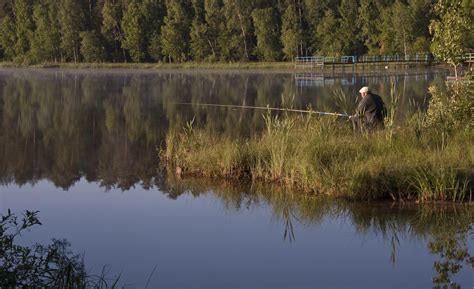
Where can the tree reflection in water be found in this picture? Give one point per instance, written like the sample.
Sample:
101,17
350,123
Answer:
446,227
106,127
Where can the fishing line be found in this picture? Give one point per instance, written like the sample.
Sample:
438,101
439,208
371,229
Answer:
263,107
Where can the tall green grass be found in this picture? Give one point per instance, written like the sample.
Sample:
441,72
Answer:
324,155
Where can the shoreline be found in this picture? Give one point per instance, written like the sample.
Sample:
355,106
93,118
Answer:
269,66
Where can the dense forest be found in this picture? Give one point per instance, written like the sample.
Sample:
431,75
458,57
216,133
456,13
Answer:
33,31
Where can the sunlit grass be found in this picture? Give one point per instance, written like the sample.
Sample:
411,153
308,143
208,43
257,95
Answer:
323,155
427,157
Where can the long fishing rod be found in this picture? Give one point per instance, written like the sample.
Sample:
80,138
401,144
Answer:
263,107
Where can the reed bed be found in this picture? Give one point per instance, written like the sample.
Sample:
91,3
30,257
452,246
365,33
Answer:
424,159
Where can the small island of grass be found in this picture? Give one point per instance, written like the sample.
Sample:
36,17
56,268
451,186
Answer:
427,157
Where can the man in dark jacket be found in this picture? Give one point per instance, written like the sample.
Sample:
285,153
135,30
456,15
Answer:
370,112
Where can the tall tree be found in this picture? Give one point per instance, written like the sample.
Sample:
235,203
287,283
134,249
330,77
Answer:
348,32
267,32
367,22
8,37
153,12
238,33
23,11
175,32
313,13
292,31
111,28
327,31
397,29
199,47
448,32
71,20
46,40
92,48
214,26
421,12
134,35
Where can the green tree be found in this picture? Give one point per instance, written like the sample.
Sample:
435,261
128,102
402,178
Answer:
92,48
421,14
8,37
348,32
237,40
367,22
199,47
267,32
291,32
214,26
71,19
448,31
134,36
23,11
468,7
397,29
46,39
111,28
313,13
175,32
327,32
153,12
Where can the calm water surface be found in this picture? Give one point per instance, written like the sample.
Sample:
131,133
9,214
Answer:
81,147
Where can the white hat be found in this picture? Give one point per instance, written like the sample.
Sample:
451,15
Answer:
364,89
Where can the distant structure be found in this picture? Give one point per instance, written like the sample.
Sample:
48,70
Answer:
314,62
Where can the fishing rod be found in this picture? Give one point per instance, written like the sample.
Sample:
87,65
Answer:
263,107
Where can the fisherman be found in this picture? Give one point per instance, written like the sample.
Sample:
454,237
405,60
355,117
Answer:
370,112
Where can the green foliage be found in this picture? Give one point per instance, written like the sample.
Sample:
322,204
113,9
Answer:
46,39
39,266
199,48
92,48
324,155
448,32
449,111
369,15
71,21
23,11
330,43
267,33
111,28
348,31
291,33
230,30
175,32
214,26
237,40
134,38
8,37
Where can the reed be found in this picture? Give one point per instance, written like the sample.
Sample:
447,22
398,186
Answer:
324,155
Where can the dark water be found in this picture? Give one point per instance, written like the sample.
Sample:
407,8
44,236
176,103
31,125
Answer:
81,147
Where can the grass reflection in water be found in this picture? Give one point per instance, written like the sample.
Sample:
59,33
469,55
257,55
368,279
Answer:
446,228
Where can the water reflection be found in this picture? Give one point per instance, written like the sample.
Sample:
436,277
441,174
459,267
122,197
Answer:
445,229
106,125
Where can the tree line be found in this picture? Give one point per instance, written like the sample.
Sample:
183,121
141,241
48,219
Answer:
33,31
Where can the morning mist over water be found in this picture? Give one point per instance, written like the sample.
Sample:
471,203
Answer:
81,147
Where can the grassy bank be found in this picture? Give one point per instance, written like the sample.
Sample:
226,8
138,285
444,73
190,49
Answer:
213,65
429,157
185,65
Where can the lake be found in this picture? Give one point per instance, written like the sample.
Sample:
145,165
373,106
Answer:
81,146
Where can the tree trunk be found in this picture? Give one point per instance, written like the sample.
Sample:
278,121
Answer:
243,35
